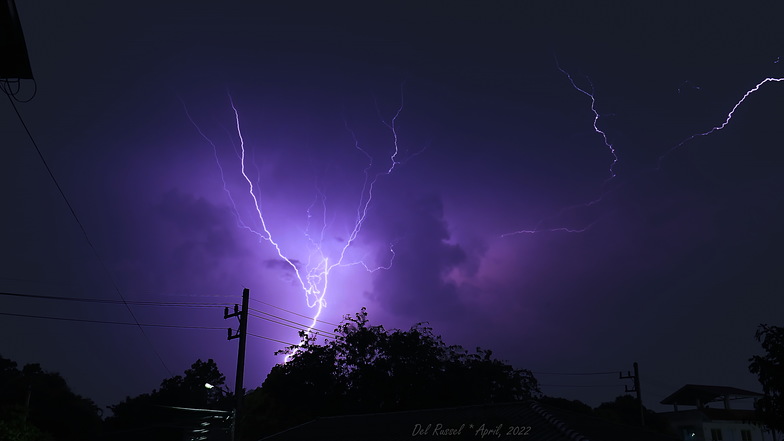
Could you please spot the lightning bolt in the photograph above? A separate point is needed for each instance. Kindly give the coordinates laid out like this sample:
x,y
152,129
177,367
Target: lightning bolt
x,y
720,126
313,275
590,94
596,117
538,230
613,163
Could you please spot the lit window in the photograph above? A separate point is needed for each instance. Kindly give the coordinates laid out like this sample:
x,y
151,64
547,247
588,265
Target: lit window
x,y
716,435
745,435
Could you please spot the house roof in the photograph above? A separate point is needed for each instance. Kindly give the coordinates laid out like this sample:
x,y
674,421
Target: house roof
x,y
694,394
529,419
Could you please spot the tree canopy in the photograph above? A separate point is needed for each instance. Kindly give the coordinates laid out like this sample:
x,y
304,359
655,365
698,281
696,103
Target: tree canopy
x,y
769,369
36,405
369,369
625,409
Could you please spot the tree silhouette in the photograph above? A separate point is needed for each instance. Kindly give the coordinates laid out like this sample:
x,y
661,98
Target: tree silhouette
x,y
369,369
575,406
769,369
162,414
15,427
38,405
625,409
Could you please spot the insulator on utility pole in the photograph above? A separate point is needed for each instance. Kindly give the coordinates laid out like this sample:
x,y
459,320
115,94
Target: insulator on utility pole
x,y
636,388
242,332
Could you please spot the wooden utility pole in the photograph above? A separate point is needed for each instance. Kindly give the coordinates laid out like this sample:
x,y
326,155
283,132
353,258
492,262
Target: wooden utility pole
x,y
636,388
242,332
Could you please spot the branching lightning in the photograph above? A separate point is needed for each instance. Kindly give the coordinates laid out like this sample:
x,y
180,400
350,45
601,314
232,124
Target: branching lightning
x,y
590,94
313,275
614,162
719,127
538,230
595,117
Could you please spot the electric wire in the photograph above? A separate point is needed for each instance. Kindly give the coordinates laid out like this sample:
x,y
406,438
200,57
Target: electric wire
x,y
5,85
290,321
271,339
84,232
576,373
150,325
162,304
114,301
295,313
301,327
169,304
155,304
110,322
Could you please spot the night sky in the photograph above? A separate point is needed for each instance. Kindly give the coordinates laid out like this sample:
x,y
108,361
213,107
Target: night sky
x,y
672,263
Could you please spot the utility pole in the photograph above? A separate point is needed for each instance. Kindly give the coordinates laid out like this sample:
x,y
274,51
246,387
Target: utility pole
x,y
636,388
27,400
242,332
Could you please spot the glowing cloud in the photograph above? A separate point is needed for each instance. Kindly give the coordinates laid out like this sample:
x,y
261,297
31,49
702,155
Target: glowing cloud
x,y
312,274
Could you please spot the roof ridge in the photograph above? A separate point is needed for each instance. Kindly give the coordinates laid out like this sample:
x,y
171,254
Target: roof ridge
x,y
560,425
427,409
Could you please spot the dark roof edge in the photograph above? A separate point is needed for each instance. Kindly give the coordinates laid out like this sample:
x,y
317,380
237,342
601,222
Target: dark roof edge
x,y
558,424
286,430
469,406
708,390
431,409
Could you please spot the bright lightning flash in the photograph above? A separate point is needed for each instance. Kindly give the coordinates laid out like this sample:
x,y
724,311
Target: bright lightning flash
x,y
313,275
595,117
722,125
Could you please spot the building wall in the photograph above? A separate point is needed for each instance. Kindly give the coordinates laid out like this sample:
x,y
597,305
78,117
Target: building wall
x,y
688,422
732,431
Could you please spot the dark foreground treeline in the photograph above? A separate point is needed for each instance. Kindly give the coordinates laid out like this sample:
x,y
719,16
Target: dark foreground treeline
x,y
364,369
37,405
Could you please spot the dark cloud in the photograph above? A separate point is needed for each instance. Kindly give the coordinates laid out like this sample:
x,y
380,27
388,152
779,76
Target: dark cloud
x,y
191,243
419,279
204,226
282,264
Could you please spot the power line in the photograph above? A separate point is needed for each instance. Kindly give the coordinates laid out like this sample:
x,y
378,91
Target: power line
x,y
113,301
287,320
271,339
295,313
150,325
62,285
165,304
575,373
222,296
109,322
84,231
12,87
301,327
